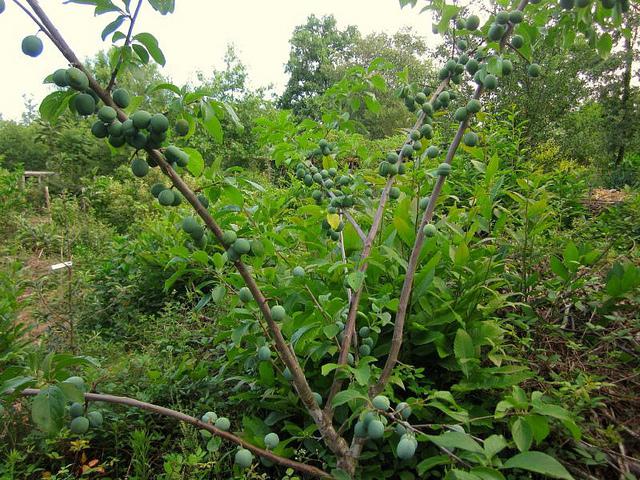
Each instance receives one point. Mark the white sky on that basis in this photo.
(259, 29)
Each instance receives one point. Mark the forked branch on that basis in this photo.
(334, 441)
(350, 327)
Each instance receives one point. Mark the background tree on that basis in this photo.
(316, 47)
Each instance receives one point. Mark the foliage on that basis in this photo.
(448, 298)
(315, 48)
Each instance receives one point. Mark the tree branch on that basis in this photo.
(127, 42)
(167, 412)
(366, 250)
(405, 294)
(335, 442)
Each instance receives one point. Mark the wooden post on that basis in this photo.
(47, 199)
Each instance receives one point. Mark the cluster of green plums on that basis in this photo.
(81, 419)
(324, 148)
(372, 425)
(331, 185)
(366, 341)
(221, 423)
(141, 130)
(237, 246)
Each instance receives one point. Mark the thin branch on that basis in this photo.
(407, 285)
(405, 294)
(349, 218)
(317, 303)
(336, 443)
(127, 42)
(355, 225)
(343, 254)
(167, 412)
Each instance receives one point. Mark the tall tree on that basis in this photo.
(316, 47)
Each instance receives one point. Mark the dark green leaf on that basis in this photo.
(151, 44)
(539, 462)
(47, 409)
(112, 27)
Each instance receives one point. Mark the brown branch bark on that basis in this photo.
(183, 417)
(335, 442)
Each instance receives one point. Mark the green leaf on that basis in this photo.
(142, 52)
(494, 445)
(494, 65)
(340, 474)
(362, 374)
(604, 45)
(372, 104)
(430, 462)
(163, 6)
(151, 44)
(459, 440)
(455, 474)
(47, 409)
(218, 293)
(105, 6)
(558, 268)
(330, 331)
(210, 122)
(355, 280)
(539, 462)
(333, 219)
(522, 434)
(72, 392)
(196, 162)
(461, 254)
(166, 86)
(571, 257)
(328, 368)
(13, 384)
(267, 375)
(54, 105)
(112, 27)
(233, 115)
(539, 427)
(411, 3)
(463, 349)
(486, 473)
(346, 396)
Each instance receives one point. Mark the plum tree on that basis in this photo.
(341, 198)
